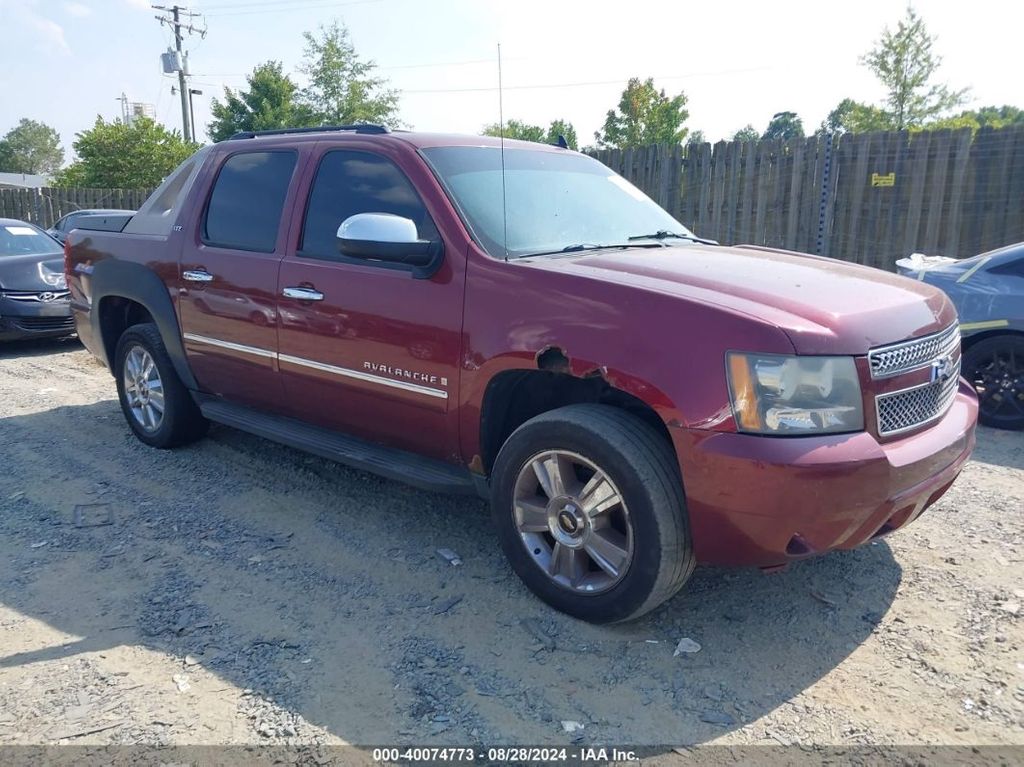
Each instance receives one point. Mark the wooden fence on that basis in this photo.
(43, 207)
(868, 198)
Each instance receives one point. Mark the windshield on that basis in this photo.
(20, 239)
(555, 200)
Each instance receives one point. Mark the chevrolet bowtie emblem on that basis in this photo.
(942, 369)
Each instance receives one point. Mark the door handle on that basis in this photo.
(303, 294)
(197, 275)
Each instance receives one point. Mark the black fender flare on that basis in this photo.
(125, 279)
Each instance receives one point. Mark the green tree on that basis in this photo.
(696, 137)
(784, 125)
(645, 116)
(31, 147)
(516, 129)
(999, 117)
(523, 131)
(851, 116)
(342, 87)
(986, 117)
(906, 64)
(747, 133)
(270, 101)
(565, 129)
(125, 156)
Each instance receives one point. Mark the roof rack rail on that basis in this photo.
(354, 127)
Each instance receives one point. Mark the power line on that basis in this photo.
(544, 86)
(389, 67)
(289, 6)
(256, 3)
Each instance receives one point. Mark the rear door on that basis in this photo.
(229, 268)
(370, 350)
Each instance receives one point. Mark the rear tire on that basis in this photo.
(995, 368)
(589, 508)
(156, 404)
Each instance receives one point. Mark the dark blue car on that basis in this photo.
(988, 291)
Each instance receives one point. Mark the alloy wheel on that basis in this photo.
(573, 521)
(999, 381)
(143, 388)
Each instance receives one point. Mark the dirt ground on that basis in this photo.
(239, 592)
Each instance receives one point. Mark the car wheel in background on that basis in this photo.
(995, 367)
(155, 403)
(590, 512)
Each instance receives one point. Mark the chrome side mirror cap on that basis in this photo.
(388, 238)
(378, 227)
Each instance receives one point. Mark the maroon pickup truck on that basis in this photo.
(522, 323)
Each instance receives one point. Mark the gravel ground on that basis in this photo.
(239, 592)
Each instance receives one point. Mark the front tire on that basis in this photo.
(156, 404)
(995, 368)
(590, 512)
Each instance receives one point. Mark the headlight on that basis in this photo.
(776, 394)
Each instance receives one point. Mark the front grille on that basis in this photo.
(908, 409)
(45, 296)
(887, 361)
(40, 324)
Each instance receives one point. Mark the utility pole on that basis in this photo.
(173, 18)
(187, 127)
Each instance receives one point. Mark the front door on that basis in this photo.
(365, 347)
(229, 270)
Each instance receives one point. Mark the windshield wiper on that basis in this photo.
(589, 246)
(664, 234)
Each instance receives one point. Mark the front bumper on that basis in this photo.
(24, 319)
(769, 500)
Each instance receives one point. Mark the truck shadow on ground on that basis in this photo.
(39, 347)
(321, 588)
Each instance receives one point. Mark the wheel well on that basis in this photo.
(515, 396)
(116, 316)
(971, 340)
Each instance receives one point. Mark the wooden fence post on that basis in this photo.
(823, 195)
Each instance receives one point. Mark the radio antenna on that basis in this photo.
(501, 137)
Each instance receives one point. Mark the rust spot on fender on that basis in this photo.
(477, 465)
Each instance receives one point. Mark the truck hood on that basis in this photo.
(33, 272)
(825, 306)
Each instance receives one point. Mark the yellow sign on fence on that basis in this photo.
(889, 179)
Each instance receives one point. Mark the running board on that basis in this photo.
(424, 473)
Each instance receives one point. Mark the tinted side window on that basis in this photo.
(1012, 268)
(350, 182)
(245, 207)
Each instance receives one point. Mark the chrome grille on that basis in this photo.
(908, 409)
(887, 361)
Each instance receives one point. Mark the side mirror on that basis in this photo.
(385, 237)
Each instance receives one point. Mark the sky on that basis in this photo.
(738, 61)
